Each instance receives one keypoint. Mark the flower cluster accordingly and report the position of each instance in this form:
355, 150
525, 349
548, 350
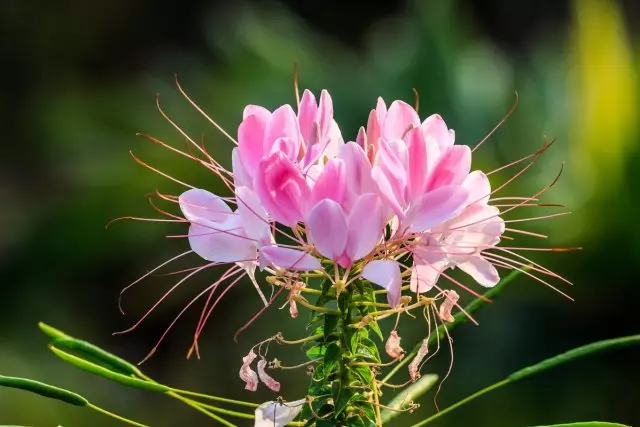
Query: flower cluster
305, 199
395, 209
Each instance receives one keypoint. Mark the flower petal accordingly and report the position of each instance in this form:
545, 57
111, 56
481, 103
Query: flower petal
427, 266
365, 226
452, 169
478, 186
282, 189
332, 183
241, 176
283, 123
386, 274
357, 173
327, 228
222, 242
197, 205
276, 414
252, 214
247, 374
251, 134
307, 113
435, 207
400, 118
435, 128
481, 270
290, 259
266, 378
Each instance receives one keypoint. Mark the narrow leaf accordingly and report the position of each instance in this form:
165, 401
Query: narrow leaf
411, 393
43, 389
574, 354
587, 424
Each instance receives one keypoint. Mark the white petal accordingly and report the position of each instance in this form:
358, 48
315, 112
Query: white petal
273, 414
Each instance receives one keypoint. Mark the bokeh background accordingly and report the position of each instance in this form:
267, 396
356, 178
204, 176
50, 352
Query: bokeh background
80, 78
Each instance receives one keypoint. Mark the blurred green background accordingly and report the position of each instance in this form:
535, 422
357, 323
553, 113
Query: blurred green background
80, 78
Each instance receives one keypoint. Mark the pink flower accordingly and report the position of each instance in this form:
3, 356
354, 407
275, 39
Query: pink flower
303, 138
247, 374
272, 384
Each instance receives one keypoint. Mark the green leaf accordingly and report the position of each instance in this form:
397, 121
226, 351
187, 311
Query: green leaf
574, 354
316, 351
332, 358
368, 350
364, 374
341, 396
330, 323
569, 356
43, 389
373, 325
587, 424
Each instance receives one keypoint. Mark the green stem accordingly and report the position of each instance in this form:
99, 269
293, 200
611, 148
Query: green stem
114, 416
216, 398
462, 402
226, 411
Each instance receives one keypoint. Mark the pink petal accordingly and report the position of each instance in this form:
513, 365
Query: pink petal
290, 259
221, 242
434, 127
478, 186
452, 168
327, 228
265, 378
325, 112
358, 173
253, 217
365, 226
256, 110
417, 164
450, 300
332, 183
387, 192
392, 346
282, 124
435, 207
386, 274
361, 138
307, 112
373, 129
247, 374
241, 176
481, 270
393, 167
282, 189
427, 266
400, 118
199, 204
288, 146
251, 134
